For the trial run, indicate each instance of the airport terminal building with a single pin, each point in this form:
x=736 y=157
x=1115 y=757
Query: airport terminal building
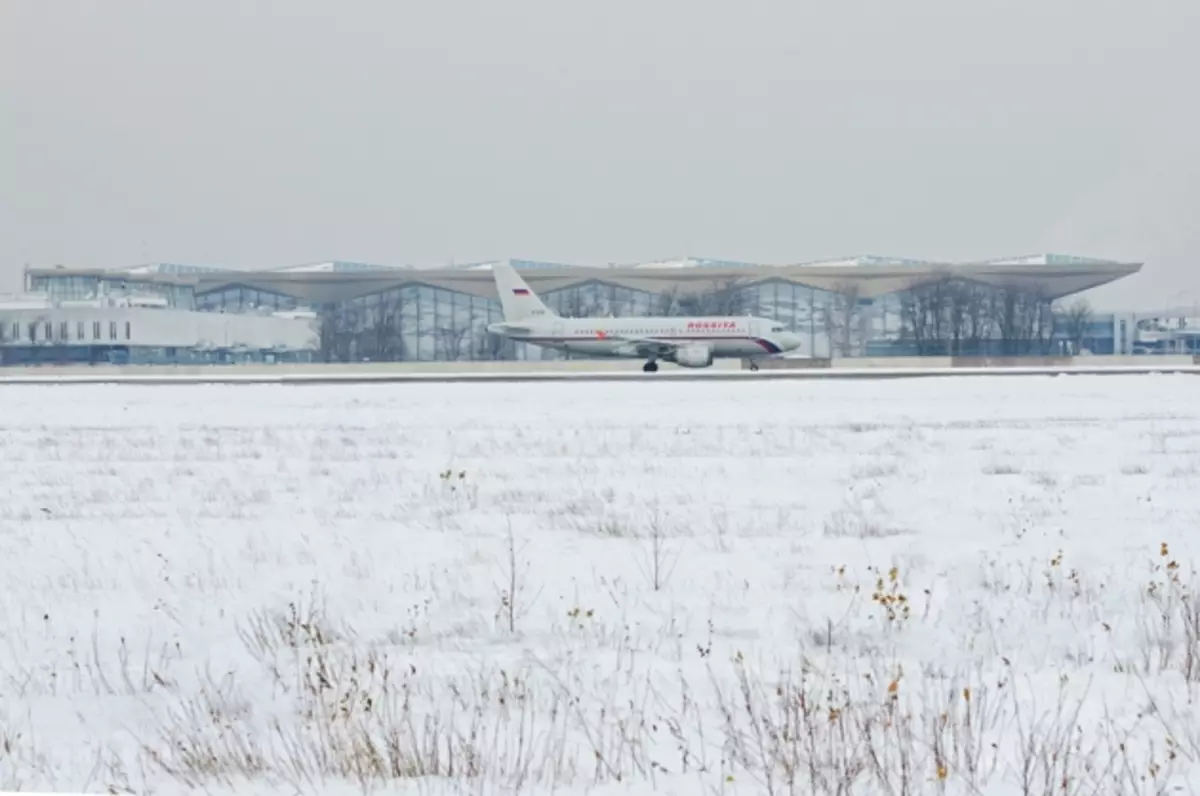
x=344 y=311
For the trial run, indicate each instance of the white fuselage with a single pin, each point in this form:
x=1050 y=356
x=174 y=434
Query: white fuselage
x=688 y=342
x=599 y=337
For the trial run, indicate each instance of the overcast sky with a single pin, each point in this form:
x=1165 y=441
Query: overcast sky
x=259 y=133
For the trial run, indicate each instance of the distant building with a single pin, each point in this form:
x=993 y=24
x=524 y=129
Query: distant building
x=39 y=329
x=851 y=305
x=1169 y=332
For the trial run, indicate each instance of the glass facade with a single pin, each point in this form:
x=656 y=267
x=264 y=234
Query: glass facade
x=955 y=317
x=66 y=288
x=599 y=299
x=84 y=287
x=423 y=323
x=247 y=299
x=419 y=322
x=814 y=314
x=416 y=323
x=810 y=312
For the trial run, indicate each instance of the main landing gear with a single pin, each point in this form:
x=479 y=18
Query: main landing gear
x=753 y=365
x=650 y=367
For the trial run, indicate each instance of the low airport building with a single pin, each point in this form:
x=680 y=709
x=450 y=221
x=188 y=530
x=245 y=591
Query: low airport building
x=356 y=311
x=36 y=329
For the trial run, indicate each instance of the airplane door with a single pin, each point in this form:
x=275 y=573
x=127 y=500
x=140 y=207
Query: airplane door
x=557 y=330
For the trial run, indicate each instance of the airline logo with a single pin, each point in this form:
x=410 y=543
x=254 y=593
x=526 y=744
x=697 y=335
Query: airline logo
x=601 y=334
x=520 y=291
x=711 y=325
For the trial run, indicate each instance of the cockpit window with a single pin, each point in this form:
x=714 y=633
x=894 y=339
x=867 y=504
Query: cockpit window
x=776 y=328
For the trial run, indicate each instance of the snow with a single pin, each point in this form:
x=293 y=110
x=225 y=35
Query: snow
x=370 y=588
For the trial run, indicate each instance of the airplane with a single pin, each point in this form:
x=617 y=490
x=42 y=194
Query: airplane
x=688 y=342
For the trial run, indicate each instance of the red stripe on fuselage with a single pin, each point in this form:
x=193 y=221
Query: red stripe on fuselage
x=762 y=343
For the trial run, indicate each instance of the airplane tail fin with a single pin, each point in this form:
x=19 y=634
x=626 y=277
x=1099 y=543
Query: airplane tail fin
x=517 y=300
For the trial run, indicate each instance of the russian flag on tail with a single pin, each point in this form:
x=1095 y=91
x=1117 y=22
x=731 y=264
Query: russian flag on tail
x=520 y=291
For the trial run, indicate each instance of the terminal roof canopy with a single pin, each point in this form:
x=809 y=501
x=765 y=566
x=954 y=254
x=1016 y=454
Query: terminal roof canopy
x=869 y=276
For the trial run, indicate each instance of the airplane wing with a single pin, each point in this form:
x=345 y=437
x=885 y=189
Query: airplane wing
x=509 y=327
x=643 y=346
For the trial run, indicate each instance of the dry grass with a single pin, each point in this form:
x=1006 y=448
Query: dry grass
x=832 y=723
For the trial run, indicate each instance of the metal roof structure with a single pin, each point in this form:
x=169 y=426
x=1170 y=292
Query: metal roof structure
x=168 y=268
x=867 y=276
x=337 y=267
x=1049 y=259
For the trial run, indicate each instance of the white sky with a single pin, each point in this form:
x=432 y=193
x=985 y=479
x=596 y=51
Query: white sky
x=258 y=133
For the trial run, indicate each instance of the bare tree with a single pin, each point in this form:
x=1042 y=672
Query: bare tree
x=980 y=324
x=339 y=327
x=1078 y=316
x=666 y=303
x=946 y=317
x=512 y=605
x=1024 y=320
x=731 y=297
x=385 y=330
x=914 y=319
x=348 y=332
x=488 y=346
x=660 y=559
x=958 y=317
x=751 y=300
x=840 y=316
x=451 y=340
x=327 y=334
x=725 y=298
x=577 y=305
x=1042 y=310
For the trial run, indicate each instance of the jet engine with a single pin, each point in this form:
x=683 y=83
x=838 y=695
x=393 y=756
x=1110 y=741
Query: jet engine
x=694 y=355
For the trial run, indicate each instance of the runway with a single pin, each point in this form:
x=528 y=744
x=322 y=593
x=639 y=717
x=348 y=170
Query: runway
x=315 y=377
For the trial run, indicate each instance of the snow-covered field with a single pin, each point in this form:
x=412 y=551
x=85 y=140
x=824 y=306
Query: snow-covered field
x=932 y=586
